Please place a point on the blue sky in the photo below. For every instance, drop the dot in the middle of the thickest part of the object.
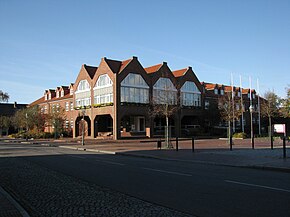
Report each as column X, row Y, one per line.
column 44, row 43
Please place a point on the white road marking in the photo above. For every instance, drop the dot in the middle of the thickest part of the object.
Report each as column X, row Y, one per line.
column 259, row 186
column 165, row 171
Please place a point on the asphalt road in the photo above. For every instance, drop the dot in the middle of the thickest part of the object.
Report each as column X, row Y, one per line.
column 196, row 189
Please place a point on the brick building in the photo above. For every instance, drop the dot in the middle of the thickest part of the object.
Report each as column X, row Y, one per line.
column 60, row 97
column 244, row 97
column 115, row 100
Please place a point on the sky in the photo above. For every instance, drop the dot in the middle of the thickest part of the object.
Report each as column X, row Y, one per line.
column 44, row 43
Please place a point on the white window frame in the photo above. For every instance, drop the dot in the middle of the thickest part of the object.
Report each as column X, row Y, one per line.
column 162, row 87
column 132, row 86
column 190, row 96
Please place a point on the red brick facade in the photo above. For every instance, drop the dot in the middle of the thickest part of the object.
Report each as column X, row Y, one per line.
column 114, row 99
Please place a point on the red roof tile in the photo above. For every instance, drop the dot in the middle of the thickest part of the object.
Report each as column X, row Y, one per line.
column 37, row 102
column 152, row 69
column 124, row 64
column 209, row 86
column 180, row 72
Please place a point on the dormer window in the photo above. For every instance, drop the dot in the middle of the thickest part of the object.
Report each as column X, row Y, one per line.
column 71, row 91
column 222, row 92
column 57, row 94
column 62, row 93
column 49, row 96
column 45, row 96
column 216, row 91
column 239, row 94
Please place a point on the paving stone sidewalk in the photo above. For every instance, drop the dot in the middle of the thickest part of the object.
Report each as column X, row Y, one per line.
column 43, row 192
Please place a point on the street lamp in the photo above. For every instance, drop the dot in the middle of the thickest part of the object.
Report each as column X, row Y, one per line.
column 83, row 126
column 252, row 130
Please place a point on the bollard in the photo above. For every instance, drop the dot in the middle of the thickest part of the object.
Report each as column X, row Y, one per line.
column 231, row 143
column 192, row 144
column 284, row 147
column 176, row 143
column 159, row 144
column 272, row 146
column 253, row 142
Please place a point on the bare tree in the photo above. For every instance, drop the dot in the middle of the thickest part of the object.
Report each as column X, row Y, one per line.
column 4, row 97
column 164, row 104
column 230, row 109
column 270, row 107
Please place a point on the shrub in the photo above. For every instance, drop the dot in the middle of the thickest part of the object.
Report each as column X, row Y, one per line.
column 240, row 135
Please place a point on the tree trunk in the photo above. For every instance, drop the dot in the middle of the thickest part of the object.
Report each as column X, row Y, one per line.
column 229, row 131
column 167, row 133
column 270, row 127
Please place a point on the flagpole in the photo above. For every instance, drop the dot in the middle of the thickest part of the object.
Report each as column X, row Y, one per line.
column 233, row 102
column 242, row 105
column 251, row 113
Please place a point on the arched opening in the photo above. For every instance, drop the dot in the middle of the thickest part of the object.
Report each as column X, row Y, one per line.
column 83, row 125
column 103, row 125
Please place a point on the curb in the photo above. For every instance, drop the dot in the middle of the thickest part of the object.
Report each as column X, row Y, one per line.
column 89, row 150
column 16, row 205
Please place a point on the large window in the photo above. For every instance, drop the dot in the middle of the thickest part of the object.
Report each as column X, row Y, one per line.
column 190, row 94
column 164, row 92
column 134, row 89
column 103, row 91
column 83, row 85
column 83, row 94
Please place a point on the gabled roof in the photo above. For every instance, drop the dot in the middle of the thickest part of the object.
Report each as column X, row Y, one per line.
column 117, row 66
column 152, row 69
column 180, row 72
column 124, row 64
column 91, row 70
column 64, row 87
column 114, row 65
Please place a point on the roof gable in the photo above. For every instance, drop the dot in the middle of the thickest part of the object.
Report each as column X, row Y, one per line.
column 91, row 70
